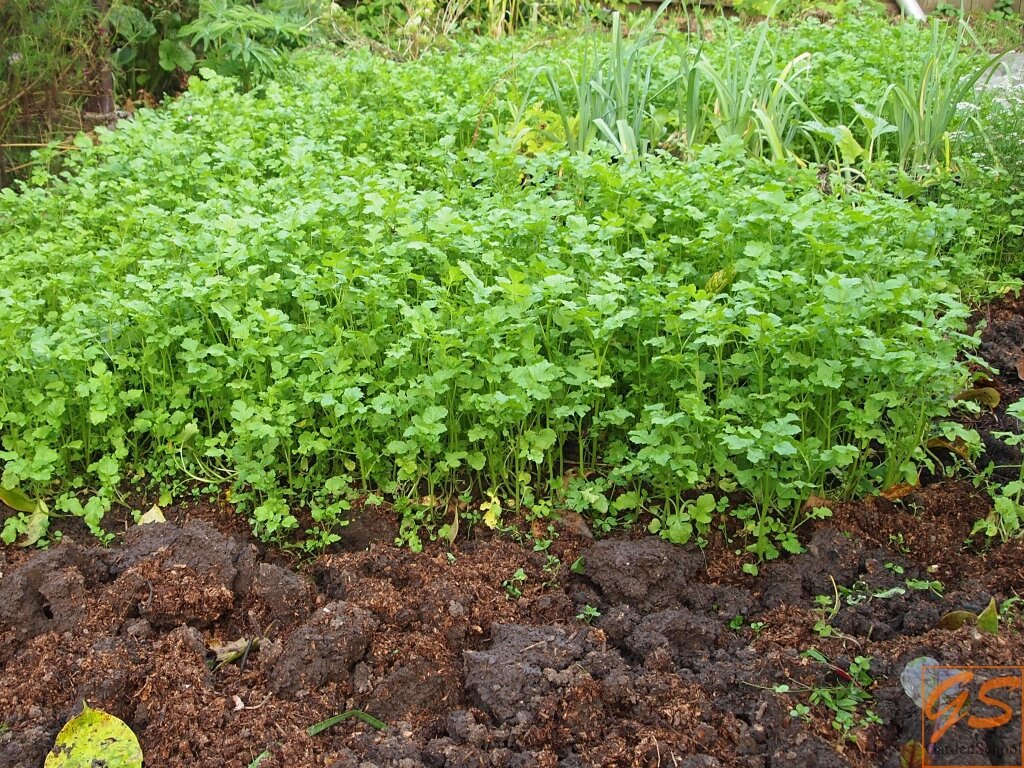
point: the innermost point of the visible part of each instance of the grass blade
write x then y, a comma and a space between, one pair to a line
323, 725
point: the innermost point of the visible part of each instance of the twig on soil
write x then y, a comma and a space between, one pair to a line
245, 653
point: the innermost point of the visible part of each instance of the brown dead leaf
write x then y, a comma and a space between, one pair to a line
956, 619
1020, 369
235, 650
898, 491
957, 446
912, 755
815, 502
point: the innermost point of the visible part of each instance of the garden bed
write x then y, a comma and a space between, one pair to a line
415, 356
468, 663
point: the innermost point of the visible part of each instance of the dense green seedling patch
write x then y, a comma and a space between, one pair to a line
351, 281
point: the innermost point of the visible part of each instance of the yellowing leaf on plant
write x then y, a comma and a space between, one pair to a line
453, 527
492, 511
154, 515
38, 525
17, 500
848, 145
987, 396
95, 738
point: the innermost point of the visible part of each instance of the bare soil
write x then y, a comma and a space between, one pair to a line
463, 673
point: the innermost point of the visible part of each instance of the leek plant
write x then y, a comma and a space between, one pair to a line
613, 95
924, 108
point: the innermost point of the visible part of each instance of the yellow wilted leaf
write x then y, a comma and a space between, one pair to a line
492, 511
38, 525
988, 620
155, 515
987, 396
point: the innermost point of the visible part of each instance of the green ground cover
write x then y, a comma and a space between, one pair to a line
373, 277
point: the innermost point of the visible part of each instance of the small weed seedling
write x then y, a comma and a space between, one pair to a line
514, 586
896, 542
846, 700
736, 624
922, 585
588, 614
552, 567
1010, 610
1007, 517
859, 592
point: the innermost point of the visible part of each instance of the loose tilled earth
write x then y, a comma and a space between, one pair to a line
465, 675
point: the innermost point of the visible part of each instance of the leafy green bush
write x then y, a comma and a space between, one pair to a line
155, 41
337, 285
146, 48
247, 41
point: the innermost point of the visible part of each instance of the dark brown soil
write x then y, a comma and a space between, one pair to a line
679, 669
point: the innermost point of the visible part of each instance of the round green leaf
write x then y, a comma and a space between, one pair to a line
124, 56
174, 54
95, 738
130, 23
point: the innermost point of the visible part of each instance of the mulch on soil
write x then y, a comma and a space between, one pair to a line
466, 674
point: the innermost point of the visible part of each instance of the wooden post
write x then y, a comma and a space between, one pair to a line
101, 101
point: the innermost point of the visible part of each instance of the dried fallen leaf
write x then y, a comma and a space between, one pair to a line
912, 755
227, 653
957, 446
898, 491
1020, 369
956, 619
815, 502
